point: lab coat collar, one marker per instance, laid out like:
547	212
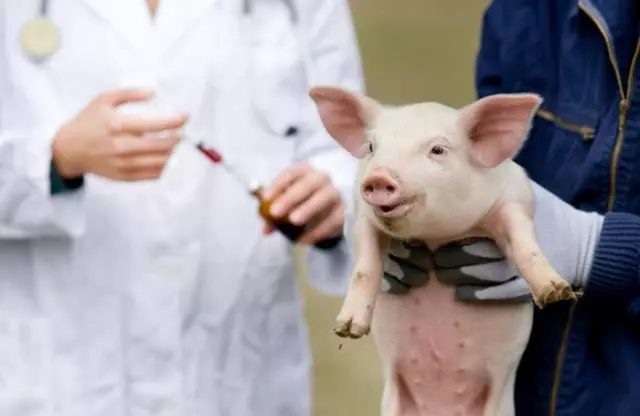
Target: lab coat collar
136	27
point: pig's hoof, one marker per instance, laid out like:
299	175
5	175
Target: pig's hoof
349	329
342	329
556	291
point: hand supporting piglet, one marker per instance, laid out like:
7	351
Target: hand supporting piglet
567	236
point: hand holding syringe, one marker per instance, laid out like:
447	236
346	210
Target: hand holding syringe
292	231
288	229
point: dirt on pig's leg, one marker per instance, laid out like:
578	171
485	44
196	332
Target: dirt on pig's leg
355	316
517	236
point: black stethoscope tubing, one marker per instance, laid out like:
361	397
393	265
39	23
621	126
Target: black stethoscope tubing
44	8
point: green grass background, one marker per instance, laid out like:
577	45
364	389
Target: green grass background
412	50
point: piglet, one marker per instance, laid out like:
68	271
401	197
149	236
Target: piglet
431	173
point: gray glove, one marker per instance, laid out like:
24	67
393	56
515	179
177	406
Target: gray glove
471	265
567	236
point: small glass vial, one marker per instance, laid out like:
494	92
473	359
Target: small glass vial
289	230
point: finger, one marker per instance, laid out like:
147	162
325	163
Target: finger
459	255
138	125
515	290
330	227
420	258
138	175
319	202
498	271
284	180
123	96
391	285
301	190
479	274
131	146
484	248
407	274
267	228
147	163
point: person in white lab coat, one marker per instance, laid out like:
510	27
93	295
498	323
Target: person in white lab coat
135	276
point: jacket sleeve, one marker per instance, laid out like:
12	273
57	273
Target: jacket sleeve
615	271
488	79
34	200
333	59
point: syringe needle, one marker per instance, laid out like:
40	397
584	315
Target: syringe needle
214	156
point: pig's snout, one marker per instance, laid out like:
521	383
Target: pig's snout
380	189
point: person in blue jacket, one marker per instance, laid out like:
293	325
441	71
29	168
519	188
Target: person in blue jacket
582	57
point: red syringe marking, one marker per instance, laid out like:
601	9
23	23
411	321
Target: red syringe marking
215	156
210	153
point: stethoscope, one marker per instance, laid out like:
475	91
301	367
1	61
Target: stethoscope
40	37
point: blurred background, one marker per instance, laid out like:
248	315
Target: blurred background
412	50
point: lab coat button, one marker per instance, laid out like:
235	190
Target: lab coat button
292	131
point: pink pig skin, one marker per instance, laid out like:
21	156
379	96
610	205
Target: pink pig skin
433	173
442	358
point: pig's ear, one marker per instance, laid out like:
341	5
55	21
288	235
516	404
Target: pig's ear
498	125
345	115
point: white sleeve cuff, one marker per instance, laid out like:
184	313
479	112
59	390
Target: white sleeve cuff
27	208
329	270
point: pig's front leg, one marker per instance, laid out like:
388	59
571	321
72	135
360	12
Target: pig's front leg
516	236
354	319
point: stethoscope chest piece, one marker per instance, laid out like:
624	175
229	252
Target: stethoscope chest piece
40	38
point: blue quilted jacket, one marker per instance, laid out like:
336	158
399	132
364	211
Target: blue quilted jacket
583	58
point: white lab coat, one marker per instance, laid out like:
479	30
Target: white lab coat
163	298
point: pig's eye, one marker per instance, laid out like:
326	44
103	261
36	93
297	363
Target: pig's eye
437	150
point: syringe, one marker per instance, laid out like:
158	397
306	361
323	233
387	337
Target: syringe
289	230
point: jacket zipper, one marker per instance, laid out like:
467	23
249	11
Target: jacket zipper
624	106
587	133
625	103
